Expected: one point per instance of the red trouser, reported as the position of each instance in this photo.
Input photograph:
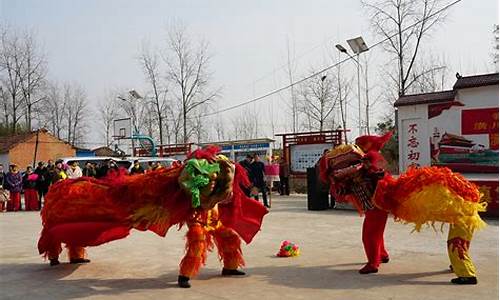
(373, 236)
(31, 199)
(14, 203)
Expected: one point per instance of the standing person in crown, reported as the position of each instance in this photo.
(14, 181)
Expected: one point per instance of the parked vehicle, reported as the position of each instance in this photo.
(95, 159)
(166, 162)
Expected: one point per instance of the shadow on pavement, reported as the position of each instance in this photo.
(332, 277)
(40, 281)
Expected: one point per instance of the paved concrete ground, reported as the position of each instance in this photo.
(144, 266)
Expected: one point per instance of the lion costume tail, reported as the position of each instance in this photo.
(431, 194)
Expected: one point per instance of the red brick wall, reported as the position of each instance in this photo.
(49, 147)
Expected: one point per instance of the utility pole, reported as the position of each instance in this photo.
(36, 148)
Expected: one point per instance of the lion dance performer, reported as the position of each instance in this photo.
(203, 193)
(420, 196)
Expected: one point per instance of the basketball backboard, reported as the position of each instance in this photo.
(122, 128)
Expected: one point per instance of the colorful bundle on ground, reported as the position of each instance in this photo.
(288, 249)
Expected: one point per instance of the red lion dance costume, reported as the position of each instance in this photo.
(204, 193)
(420, 196)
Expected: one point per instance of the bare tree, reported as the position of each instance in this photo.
(108, 112)
(188, 71)
(342, 91)
(429, 75)
(175, 115)
(318, 101)
(392, 17)
(4, 97)
(494, 53)
(54, 113)
(22, 75)
(10, 54)
(198, 126)
(150, 63)
(245, 126)
(32, 72)
(136, 108)
(293, 106)
(220, 131)
(76, 113)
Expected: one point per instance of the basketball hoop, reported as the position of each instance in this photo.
(122, 129)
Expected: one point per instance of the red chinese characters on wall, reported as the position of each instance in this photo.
(482, 121)
(413, 155)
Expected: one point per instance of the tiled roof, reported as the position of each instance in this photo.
(105, 151)
(427, 98)
(8, 142)
(476, 81)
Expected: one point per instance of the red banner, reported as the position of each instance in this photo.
(480, 121)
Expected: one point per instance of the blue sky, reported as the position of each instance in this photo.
(95, 43)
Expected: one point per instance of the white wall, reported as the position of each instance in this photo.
(449, 121)
(480, 97)
(413, 114)
(4, 159)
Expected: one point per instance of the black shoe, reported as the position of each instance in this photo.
(464, 280)
(79, 261)
(385, 260)
(183, 282)
(54, 262)
(368, 269)
(451, 268)
(228, 272)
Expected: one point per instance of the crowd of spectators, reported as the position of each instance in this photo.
(34, 184)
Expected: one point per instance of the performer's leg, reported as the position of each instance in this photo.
(458, 251)
(76, 255)
(384, 255)
(229, 248)
(263, 189)
(196, 254)
(53, 254)
(373, 239)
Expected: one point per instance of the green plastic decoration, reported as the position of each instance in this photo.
(199, 171)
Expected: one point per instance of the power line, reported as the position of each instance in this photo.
(326, 68)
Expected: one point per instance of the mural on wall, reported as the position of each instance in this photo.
(462, 137)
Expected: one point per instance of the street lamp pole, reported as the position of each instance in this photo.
(359, 97)
(357, 46)
(135, 126)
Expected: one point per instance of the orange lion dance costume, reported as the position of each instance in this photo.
(204, 193)
(419, 196)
